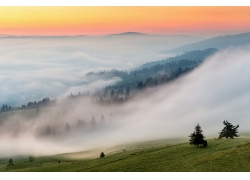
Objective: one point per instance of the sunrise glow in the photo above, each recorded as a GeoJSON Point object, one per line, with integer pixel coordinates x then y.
{"type": "Point", "coordinates": [108, 20]}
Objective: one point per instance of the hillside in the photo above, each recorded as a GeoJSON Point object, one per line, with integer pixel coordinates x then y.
{"type": "Point", "coordinates": [220, 156]}
{"type": "Point", "coordinates": [149, 74]}
{"type": "Point", "coordinates": [153, 69]}
{"type": "Point", "coordinates": [198, 55]}
{"type": "Point", "coordinates": [220, 42]}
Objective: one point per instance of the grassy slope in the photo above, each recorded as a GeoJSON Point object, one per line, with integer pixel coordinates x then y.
{"type": "Point", "coordinates": [220, 155]}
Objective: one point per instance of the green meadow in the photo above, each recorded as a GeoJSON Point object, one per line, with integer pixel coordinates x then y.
{"type": "Point", "coordinates": [224, 155]}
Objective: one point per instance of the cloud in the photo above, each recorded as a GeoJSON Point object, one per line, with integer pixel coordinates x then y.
{"type": "Point", "coordinates": [215, 91]}
{"type": "Point", "coordinates": [32, 67]}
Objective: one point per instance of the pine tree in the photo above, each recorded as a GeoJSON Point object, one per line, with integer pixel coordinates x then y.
{"type": "Point", "coordinates": [102, 118]}
{"type": "Point", "coordinates": [101, 99]}
{"type": "Point", "coordinates": [48, 130]}
{"type": "Point", "coordinates": [93, 122]}
{"type": "Point", "coordinates": [11, 162]}
{"type": "Point", "coordinates": [197, 138]}
{"type": "Point", "coordinates": [67, 127]}
{"type": "Point", "coordinates": [112, 94]}
{"type": "Point", "coordinates": [31, 159]}
{"type": "Point", "coordinates": [127, 93]}
{"type": "Point", "coordinates": [229, 131]}
{"type": "Point", "coordinates": [102, 155]}
{"type": "Point", "coordinates": [79, 123]}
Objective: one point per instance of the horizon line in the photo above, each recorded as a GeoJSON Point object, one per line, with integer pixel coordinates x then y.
{"type": "Point", "coordinates": [119, 33]}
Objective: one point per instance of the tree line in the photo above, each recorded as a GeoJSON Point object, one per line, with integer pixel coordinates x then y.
{"type": "Point", "coordinates": [109, 94]}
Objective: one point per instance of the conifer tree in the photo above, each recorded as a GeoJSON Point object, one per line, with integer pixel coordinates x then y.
{"type": "Point", "coordinates": [127, 93]}
{"type": "Point", "coordinates": [229, 131]}
{"type": "Point", "coordinates": [37, 111]}
{"type": "Point", "coordinates": [93, 122]}
{"type": "Point", "coordinates": [102, 118]}
{"type": "Point", "coordinates": [112, 94]}
{"type": "Point", "coordinates": [197, 138]}
{"type": "Point", "coordinates": [102, 155]}
{"type": "Point", "coordinates": [67, 127]}
{"type": "Point", "coordinates": [11, 162]}
{"type": "Point", "coordinates": [31, 159]}
{"type": "Point", "coordinates": [48, 130]}
{"type": "Point", "coordinates": [101, 99]}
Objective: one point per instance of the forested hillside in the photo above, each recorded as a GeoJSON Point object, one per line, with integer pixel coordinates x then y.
{"type": "Point", "coordinates": [149, 75]}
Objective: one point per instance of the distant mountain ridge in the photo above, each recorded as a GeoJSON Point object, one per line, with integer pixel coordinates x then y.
{"type": "Point", "coordinates": [128, 33]}
{"type": "Point", "coordinates": [152, 69]}
{"type": "Point", "coordinates": [198, 55]}
{"type": "Point", "coordinates": [219, 42]}
{"type": "Point", "coordinates": [108, 35]}
{"type": "Point", "coordinates": [145, 34]}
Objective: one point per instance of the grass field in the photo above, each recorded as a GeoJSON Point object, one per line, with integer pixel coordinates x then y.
{"type": "Point", "coordinates": [163, 156]}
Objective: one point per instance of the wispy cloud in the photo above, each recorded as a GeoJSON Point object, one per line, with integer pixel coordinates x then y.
{"type": "Point", "coordinates": [215, 91]}
{"type": "Point", "coordinates": [31, 68]}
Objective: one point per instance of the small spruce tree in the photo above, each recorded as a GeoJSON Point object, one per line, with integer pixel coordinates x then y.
{"type": "Point", "coordinates": [229, 131]}
{"type": "Point", "coordinates": [112, 94]}
{"type": "Point", "coordinates": [127, 93]}
{"type": "Point", "coordinates": [93, 122]}
{"type": "Point", "coordinates": [102, 155]}
{"type": "Point", "coordinates": [37, 111]}
{"type": "Point", "coordinates": [67, 127]}
{"type": "Point", "coordinates": [197, 138]}
{"type": "Point", "coordinates": [11, 162]}
{"type": "Point", "coordinates": [102, 118]}
{"type": "Point", "coordinates": [31, 159]}
{"type": "Point", "coordinates": [48, 130]}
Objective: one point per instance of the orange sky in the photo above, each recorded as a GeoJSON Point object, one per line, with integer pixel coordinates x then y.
{"type": "Point", "coordinates": [108, 20]}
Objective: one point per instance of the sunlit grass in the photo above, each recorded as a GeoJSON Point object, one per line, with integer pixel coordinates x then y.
{"type": "Point", "coordinates": [220, 155]}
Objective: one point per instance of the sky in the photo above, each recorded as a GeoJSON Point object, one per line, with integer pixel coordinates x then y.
{"type": "Point", "coordinates": [35, 68]}
{"type": "Point", "coordinates": [88, 20]}
{"type": "Point", "coordinates": [63, 62]}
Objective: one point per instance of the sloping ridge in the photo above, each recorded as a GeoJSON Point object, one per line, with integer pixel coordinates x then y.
{"type": "Point", "coordinates": [198, 55]}
{"type": "Point", "coordinates": [219, 42]}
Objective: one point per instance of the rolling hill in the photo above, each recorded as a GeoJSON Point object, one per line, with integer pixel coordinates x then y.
{"type": "Point", "coordinates": [220, 42]}
{"type": "Point", "coordinates": [226, 155]}
{"type": "Point", "coordinates": [198, 55]}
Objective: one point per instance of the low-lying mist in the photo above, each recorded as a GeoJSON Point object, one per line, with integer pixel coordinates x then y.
{"type": "Point", "coordinates": [215, 91]}
{"type": "Point", "coordinates": [32, 68]}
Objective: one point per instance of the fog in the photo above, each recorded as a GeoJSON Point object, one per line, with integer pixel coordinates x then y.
{"type": "Point", "coordinates": [32, 68]}
{"type": "Point", "coordinates": [217, 90]}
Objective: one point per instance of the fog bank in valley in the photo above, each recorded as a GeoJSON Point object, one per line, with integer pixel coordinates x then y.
{"type": "Point", "coordinates": [215, 91]}
{"type": "Point", "coordinates": [32, 68]}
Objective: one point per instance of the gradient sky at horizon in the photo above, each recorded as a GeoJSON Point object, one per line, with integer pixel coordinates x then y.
{"type": "Point", "coordinates": [82, 20]}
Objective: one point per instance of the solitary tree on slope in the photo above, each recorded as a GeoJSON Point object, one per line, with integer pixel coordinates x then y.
{"type": "Point", "coordinates": [197, 138]}
{"type": "Point", "coordinates": [229, 131]}
{"type": "Point", "coordinates": [102, 155]}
